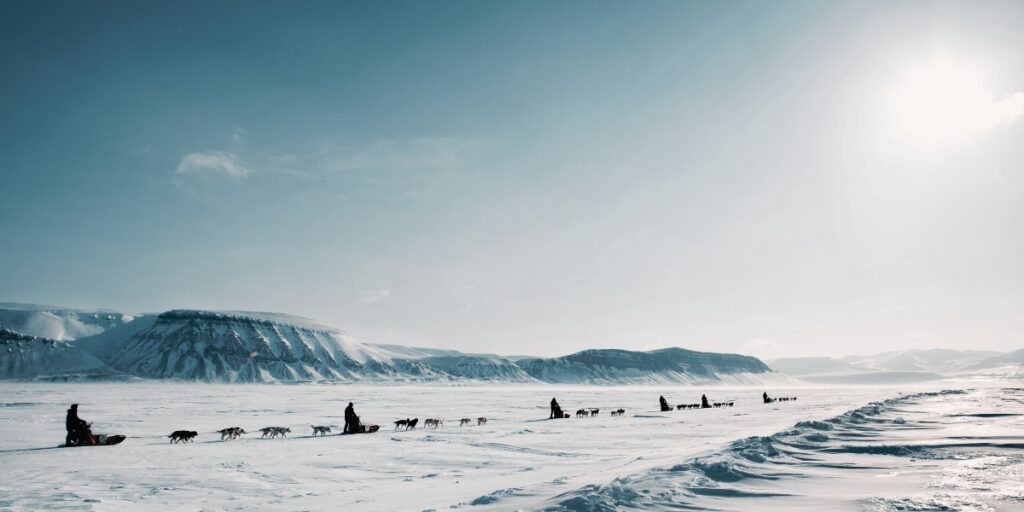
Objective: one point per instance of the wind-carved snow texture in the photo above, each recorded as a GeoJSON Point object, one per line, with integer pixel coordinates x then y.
{"type": "Point", "coordinates": [945, 450]}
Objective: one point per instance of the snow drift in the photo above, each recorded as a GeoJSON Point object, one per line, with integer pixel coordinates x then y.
{"type": "Point", "coordinates": [959, 464]}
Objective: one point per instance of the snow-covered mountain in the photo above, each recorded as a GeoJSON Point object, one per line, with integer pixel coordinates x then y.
{"type": "Point", "coordinates": [238, 346]}
{"type": "Point", "coordinates": [58, 323]}
{"type": "Point", "coordinates": [31, 357]}
{"type": "Point", "coordinates": [1012, 361]}
{"type": "Point", "coordinates": [459, 365]}
{"type": "Point", "coordinates": [942, 361]}
{"type": "Point", "coordinates": [892, 367]}
{"type": "Point", "coordinates": [670, 365]}
{"type": "Point", "coordinates": [478, 367]}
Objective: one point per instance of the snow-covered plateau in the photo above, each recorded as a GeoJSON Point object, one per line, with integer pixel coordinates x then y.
{"type": "Point", "coordinates": [952, 447]}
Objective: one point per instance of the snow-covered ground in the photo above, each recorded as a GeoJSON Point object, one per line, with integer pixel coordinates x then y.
{"type": "Point", "coordinates": [518, 460]}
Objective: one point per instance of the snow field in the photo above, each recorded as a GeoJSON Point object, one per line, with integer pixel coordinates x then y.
{"type": "Point", "coordinates": [519, 460]}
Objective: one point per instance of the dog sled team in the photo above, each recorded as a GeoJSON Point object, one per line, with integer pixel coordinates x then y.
{"type": "Point", "coordinates": [704, 404]}
{"type": "Point", "coordinates": [769, 400]}
{"type": "Point", "coordinates": [80, 434]}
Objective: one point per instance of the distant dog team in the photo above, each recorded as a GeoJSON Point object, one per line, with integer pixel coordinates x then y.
{"type": "Point", "coordinates": [231, 433]}
{"type": "Point", "coordinates": [698, 406]}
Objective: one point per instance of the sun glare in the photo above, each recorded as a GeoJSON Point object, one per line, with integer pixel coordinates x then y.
{"type": "Point", "coordinates": [945, 102]}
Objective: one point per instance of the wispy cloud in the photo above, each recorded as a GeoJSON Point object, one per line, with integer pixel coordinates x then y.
{"type": "Point", "coordinates": [238, 135]}
{"type": "Point", "coordinates": [216, 162]}
{"type": "Point", "coordinates": [374, 296]}
{"type": "Point", "coordinates": [330, 157]}
{"type": "Point", "coordinates": [1010, 108]}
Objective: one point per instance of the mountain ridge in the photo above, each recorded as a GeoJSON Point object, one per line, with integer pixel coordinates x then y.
{"type": "Point", "coordinates": [238, 346]}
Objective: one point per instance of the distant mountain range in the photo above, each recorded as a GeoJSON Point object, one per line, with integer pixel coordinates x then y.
{"type": "Point", "coordinates": [191, 345]}
{"type": "Point", "coordinates": [896, 366]}
{"type": "Point", "coordinates": [670, 365]}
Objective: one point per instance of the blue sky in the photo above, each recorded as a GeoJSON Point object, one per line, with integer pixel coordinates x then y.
{"type": "Point", "coordinates": [526, 177]}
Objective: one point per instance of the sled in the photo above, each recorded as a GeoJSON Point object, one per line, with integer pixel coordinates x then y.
{"type": "Point", "coordinates": [363, 429]}
{"type": "Point", "coordinates": [101, 440]}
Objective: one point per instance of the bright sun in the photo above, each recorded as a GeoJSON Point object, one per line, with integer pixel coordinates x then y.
{"type": "Point", "coordinates": [946, 102]}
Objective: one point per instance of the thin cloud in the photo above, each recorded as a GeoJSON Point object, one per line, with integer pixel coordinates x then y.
{"type": "Point", "coordinates": [375, 296]}
{"type": "Point", "coordinates": [382, 156]}
{"type": "Point", "coordinates": [401, 155]}
{"type": "Point", "coordinates": [216, 162]}
{"type": "Point", "coordinates": [762, 347]}
{"type": "Point", "coordinates": [1010, 108]}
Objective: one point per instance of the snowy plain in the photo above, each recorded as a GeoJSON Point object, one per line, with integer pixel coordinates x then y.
{"type": "Point", "coordinates": [645, 459]}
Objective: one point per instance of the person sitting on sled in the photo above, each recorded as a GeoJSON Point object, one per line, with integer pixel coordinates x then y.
{"type": "Point", "coordinates": [78, 429]}
{"type": "Point", "coordinates": [765, 397]}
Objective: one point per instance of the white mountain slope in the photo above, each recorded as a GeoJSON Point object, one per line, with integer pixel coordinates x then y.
{"type": "Point", "coordinates": [459, 365]}
{"type": "Point", "coordinates": [942, 361]}
{"type": "Point", "coordinates": [238, 347]}
{"type": "Point", "coordinates": [891, 367]}
{"type": "Point", "coordinates": [31, 357]}
{"type": "Point", "coordinates": [665, 366]}
{"type": "Point", "coordinates": [59, 323]}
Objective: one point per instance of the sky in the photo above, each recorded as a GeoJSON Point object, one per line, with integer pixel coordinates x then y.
{"type": "Point", "coordinates": [769, 178]}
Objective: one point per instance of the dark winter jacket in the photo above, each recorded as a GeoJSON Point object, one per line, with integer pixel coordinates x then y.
{"type": "Point", "coordinates": [73, 422]}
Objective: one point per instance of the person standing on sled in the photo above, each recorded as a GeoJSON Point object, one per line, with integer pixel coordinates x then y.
{"type": "Point", "coordinates": [556, 410]}
{"type": "Point", "coordinates": [664, 404]}
{"type": "Point", "coordinates": [764, 396]}
{"type": "Point", "coordinates": [78, 429]}
{"type": "Point", "coordinates": [704, 402]}
{"type": "Point", "coordinates": [351, 420]}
